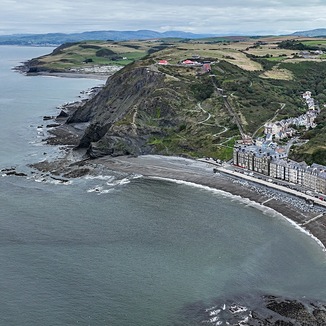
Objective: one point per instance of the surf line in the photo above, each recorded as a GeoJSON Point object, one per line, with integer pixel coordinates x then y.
{"type": "Point", "coordinates": [260, 206]}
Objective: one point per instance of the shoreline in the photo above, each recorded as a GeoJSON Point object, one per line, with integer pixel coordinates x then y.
{"type": "Point", "coordinates": [67, 75]}
{"type": "Point", "coordinates": [197, 173]}
{"type": "Point", "coordinates": [82, 72]}
{"type": "Point", "coordinates": [311, 220]}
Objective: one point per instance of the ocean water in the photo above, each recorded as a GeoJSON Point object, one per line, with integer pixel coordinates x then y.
{"type": "Point", "coordinates": [140, 251]}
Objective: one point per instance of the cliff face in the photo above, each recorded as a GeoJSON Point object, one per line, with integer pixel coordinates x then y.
{"type": "Point", "coordinates": [135, 106]}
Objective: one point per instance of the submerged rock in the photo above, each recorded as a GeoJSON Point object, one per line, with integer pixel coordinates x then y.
{"type": "Point", "coordinates": [261, 310]}
{"type": "Point", "coordinates": [48, 117]}
{"type": "Point", "coordinates": [12, 171]}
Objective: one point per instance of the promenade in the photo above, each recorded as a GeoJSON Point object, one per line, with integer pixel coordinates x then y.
{"type": "Point", "coordinates": [315, 200]}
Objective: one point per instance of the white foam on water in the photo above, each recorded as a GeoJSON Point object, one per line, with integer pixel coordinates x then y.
{"type": "Point", "coordinates": [58, 182]}
{"type": "Point", "coordinates": [211, 308]}
{"type": "Point", "coordinates": [137, 176]}
{"type": "Point", "coordinates": [299, 227]}
{"type": "Point", "coordinates": [266, 210]}
{"type": "Point", "coordinates": [95, 189]}
{"type": "Point", "coordinates": [111, 181]}
{"type": "Point", "coordinates": [118, 182]}
{"type": "Point", "coordinates": [100, 190]}
{"type": "Point", "coordinates": [214, 312]}
{"type": "Point", "coordinates": [214, 320]}
{"type": "Point", "coordinates": [124, 180]}
{"type": "Point", "coordinates": [196, 185]}
{"type": "Point", "coordinates": [236, 309]}
{"type": "Point", "coordinates": [36, 142]}
{"type": "Point", "coordinates": [51, 181]}
{"type": "Point", "coordinates": [99, 177]}
{"type": "Point", "coordinates": [106, 191]}
{"type": "Point", "coordinates": [49, 76]}
{"type": "Point", "coordinates": [244, 321]}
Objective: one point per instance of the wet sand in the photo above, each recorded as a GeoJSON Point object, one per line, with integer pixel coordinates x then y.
{"type": "Point", "coordinates": [175, 168]}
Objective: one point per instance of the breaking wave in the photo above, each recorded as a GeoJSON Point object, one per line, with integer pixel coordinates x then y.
{"type": "Point", "coordinates": [111, 182]}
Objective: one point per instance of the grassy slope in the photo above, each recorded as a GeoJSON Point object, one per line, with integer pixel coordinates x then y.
{"type": "Point", "coordinates": [74, 55]}
{"type": "Point", "coordinates": [201, 131]}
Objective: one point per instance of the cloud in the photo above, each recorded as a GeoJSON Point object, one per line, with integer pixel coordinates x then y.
{"type": "Point", "coordinates": [205, 16]}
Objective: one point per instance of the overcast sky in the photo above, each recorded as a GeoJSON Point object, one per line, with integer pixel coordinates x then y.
{"type": "Point", "coordinates": [203, 16]}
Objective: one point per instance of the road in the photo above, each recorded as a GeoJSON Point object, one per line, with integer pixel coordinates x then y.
{"type": "Point", "coordinates": [275, 115]}
{"type": "Point", "coordinates": [289, 145]}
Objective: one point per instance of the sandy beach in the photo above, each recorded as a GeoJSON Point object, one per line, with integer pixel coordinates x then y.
{"type": "Point", "coordinates": [310, 219]}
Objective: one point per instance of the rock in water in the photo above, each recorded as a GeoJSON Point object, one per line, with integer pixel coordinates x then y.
{"type": "Point", "coordinates": [266, 310]}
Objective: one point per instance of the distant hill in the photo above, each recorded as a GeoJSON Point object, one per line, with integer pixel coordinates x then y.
{"type": "Point", "coordinates": [311, 33]}
{"type": "Point", "coordinates": [60, 38]}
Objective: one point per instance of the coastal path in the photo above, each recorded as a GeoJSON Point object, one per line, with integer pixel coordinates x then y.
{"type": "Point", "coordinates": [204, 111]}
{"type": "Point", "coordinates": [274, 117]}
{"type": "Point", "coordinates": [229, 107]}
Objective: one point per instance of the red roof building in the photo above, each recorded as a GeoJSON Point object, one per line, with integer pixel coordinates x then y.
{"type": "Point", "coordinates": [188, 62]}
{"type": "Point", "coordinates": [207, 67]}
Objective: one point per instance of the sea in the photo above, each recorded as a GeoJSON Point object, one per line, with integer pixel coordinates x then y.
{"type": "Point", "coordinates": [140, 251]}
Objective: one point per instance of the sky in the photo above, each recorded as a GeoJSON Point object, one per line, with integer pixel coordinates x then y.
{"type": "Point", "coordinates": [226, 17]}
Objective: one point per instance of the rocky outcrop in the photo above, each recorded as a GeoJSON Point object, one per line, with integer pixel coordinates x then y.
{"type": "Point", "coordinates": [135, 105]}
{"type": "Point", "coordinates": [34, 67]}
{"type": "Point", "coordinates": [266, 310]}
{"type": "Point", "coordinates": [12, 171]}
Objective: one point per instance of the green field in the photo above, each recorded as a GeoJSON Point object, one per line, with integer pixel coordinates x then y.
{"type": "Point", "coordinates": [92, 53]}
{"type": "Point", "coordinates": [315, 43]}
{"type": "Point", "coordinates": [276, 58]}
{"type": "Point", "coordinates": [238, 51]}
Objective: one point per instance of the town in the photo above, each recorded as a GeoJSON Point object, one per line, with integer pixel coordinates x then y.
{"type": "Point", "coordinates": [264, 156]}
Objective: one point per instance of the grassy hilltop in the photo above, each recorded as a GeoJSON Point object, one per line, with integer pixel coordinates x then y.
{"type": "Point", "coordinates": [181, 109]}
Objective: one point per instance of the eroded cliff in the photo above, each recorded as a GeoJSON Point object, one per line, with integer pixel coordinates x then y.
{"type": "Point", "coordinates": [141, 108]}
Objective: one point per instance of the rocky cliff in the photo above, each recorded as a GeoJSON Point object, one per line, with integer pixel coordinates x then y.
{"type": "Point", "coordinates": [138, 108]}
